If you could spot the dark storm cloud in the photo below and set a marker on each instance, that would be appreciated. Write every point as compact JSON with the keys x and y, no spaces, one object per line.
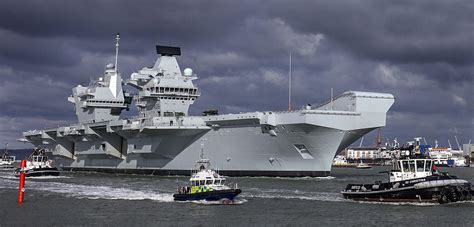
{"x":397,"y":31}
{"x":421,"y":52}
{"x":21,"y":51}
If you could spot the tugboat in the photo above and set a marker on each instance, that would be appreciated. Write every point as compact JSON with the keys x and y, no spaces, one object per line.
{"x":38,"y":165}
{"x":206,"y":184}
{"x":413,"y":179}
{"x":6,"y":161}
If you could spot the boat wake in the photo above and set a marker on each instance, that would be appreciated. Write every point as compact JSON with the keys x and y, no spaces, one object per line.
{"x":307,"y":178}
{"x":292,"y":194}
{"x":292,"y":178}
{"x":220,"y":202}
{"x":36,"y":178}
{"x":91,"y":192}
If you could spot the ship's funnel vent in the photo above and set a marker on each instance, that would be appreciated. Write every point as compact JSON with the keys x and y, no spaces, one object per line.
{"x":168,"y":50}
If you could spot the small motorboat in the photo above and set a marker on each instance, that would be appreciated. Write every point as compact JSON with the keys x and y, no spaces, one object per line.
{"x":38,"y":164}
{"x":413,"y":179}
{"x":362,"y":165}
{"x":206,"y":184}
{"x":6,"y":161}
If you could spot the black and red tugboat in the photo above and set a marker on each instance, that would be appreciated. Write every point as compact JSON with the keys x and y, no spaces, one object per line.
{"x":413,"y":179}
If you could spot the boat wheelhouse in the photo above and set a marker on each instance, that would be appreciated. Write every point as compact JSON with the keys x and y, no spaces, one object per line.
{"x":411,"y":169}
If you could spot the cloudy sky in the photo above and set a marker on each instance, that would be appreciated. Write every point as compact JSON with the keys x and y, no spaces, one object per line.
{"x":420,"y":51}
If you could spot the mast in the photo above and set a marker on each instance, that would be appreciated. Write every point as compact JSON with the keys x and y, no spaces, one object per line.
{"x":202,"y":151}
{"x":289,"y":83}
{"x":116,"y":51}
{"x":377,"y":139}
{"x":332,"y":95}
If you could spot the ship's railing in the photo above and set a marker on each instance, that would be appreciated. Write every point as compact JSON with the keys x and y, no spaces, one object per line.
{"x":345,"y":94}
{"x":137,"y":123}
{"x":33,"y":132}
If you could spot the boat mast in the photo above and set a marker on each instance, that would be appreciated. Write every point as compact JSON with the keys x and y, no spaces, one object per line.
{"x":289,"y":84}
{"x":202,"y":149}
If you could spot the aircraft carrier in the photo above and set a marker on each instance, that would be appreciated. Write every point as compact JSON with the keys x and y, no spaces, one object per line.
{"x":163,"y":139}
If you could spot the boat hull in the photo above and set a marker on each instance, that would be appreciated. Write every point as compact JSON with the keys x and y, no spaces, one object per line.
{"x":209,"y":196}
{"x":434,"y":189}
{"x":38,"y":172}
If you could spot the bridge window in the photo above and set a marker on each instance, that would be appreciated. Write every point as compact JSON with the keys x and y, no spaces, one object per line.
{"x":428,"y":166}
{"x":412,"y":165}
{"x":420,"y":165}
{"x":405,"y":166}
{"x":209,"y":182}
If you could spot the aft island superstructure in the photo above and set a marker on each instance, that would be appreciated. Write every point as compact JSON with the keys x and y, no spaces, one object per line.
{"x":164,"y":139}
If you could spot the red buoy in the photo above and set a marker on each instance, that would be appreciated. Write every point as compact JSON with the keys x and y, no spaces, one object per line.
{"x":21,"y":189}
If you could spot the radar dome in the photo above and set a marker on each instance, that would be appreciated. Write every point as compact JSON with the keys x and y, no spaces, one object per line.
{"x":188,"y":72}
{"x":109,"y":66}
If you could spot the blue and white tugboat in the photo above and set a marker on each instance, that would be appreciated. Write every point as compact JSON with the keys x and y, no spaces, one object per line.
{"x":413,"y":179}
{"x":38,"y":164}
{"x":206,"y":184}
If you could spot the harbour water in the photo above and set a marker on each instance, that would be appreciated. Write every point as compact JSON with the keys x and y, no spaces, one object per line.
{"x":143,"y":200}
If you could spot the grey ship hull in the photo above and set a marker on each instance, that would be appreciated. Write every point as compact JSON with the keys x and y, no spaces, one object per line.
{"x":298,"y":143}
{"x":237,"y":151}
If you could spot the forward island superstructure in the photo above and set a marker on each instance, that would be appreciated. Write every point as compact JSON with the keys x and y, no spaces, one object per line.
{"x":164,"y":139}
